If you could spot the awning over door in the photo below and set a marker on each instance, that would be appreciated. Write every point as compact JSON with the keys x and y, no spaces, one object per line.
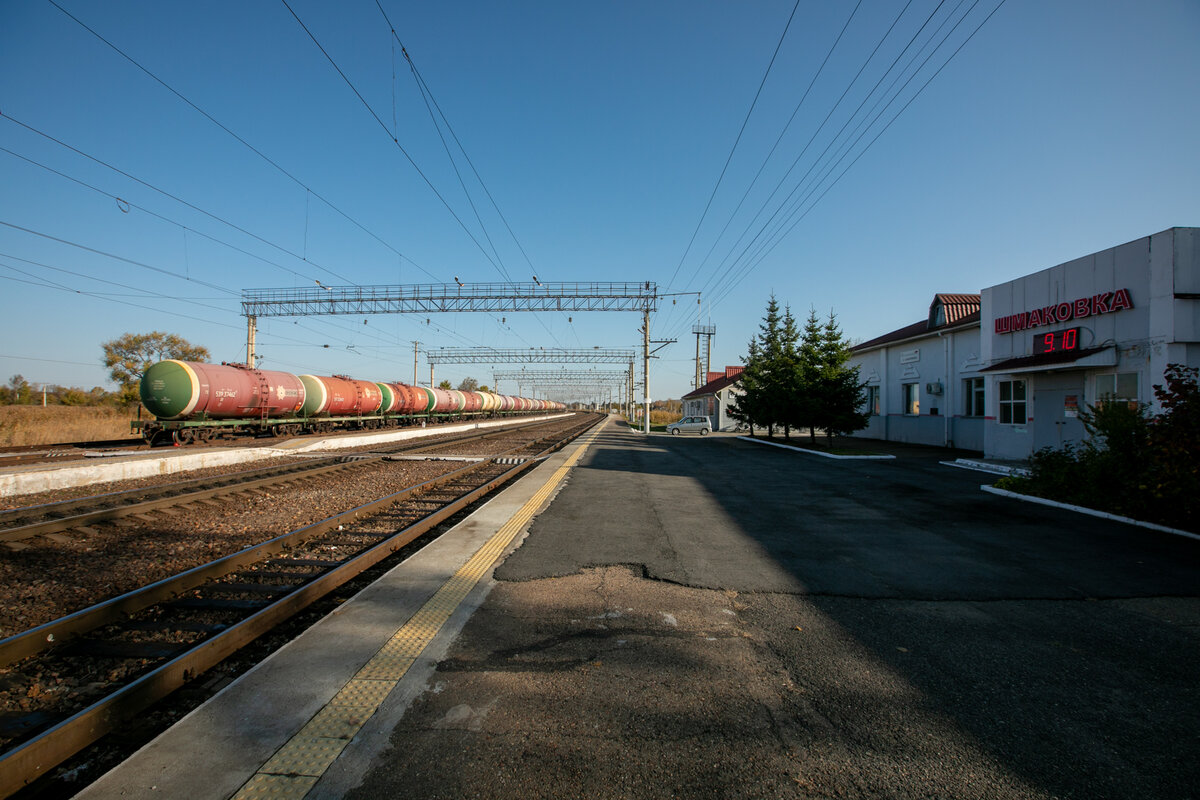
{"x":1088,"y":358}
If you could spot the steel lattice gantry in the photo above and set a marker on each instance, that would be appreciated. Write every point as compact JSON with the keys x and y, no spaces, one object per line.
{"x":456,"y":297}
{"x":594,"y":382}
{"x":450,"y":297}
{"x":532,"y":355}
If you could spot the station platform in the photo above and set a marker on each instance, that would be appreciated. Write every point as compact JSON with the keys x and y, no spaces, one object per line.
{"x":119,"y":466}
{"x":655,"y":616}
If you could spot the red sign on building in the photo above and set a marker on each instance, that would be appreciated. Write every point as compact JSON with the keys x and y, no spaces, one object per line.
{"x":1102,"y":303}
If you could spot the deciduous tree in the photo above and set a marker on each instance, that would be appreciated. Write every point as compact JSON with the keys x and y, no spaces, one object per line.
{"x":130,"y":355}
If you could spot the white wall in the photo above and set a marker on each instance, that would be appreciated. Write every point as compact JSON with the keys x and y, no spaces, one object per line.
{"x":1161,"y":328}
{"x":945,"y":359}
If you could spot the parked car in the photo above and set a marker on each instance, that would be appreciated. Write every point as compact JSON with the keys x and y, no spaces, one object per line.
{"x":700,"y":425}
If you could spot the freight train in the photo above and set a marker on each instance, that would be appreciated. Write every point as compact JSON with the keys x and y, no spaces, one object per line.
{"x":192,"y":401}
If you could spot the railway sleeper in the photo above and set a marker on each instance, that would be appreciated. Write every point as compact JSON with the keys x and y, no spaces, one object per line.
{"x":216,"y":604}
{"x":109,"y":648}
{"x":251,"y":588}
{"x":305,"y":562}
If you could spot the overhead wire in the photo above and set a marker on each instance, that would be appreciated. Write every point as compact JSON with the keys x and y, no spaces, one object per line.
{"x":731,"y":267}
{"x":833,"y":109}
{"x":735,"y":273}
{"x":796,"y":220}
{"x":395,"y":140}
{"x":432,"y":104}
{"x":673,"y":324}
{"x":733,"y":149}
{"x":130,"y":205}
{"x":235,"y":136}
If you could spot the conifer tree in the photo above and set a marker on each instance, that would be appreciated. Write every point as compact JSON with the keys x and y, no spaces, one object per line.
{"x":840,"y":393}
{"x":760,"y":402}
{"x":809,"y":374}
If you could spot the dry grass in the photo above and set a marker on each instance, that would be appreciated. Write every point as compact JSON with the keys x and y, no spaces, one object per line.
{"x":22,"y":425}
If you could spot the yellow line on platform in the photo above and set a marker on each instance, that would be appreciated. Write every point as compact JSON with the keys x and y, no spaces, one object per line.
{"x":297,"y":766}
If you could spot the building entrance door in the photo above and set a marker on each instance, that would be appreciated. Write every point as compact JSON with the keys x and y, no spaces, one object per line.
{"x":1056,"y":417}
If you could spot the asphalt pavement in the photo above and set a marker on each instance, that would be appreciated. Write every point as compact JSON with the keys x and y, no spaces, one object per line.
{"x":707,"y":617}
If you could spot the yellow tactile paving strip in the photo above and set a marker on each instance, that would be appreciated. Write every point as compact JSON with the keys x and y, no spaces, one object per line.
{"x":297,"y":766}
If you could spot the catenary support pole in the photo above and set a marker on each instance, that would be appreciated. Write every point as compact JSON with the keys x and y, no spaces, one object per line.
{"x":646,"y":369}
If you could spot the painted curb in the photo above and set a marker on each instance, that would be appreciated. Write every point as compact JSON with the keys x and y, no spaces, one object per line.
{"x":816,"y":452}
{"x":1091,"y":512}
{"x":983,"y":466}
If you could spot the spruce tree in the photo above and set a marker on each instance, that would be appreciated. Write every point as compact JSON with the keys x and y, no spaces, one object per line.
{"x":808,"y":380}
{"x":840,"y":393}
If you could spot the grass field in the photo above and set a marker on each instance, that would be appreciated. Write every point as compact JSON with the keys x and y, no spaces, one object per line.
{"x":21,"y":425}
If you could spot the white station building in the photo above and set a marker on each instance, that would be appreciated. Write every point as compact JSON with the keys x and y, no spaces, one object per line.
{"x":1007,"y":372}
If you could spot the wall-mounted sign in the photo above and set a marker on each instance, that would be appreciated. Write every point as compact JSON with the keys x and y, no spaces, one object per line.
{"x":910,"y":356}
{"x":1071,"y":406}
{"x":1102,"y":303}
{"x":1056,"y":341}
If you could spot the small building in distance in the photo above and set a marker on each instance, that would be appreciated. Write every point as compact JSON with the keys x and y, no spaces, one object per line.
{"x":713,"y":399}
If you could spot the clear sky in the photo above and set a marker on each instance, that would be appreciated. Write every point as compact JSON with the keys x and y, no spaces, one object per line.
{"x":1061,"y":127}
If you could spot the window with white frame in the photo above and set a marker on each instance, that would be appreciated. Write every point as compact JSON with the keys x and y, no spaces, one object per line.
{"x":1119,"y":387}
{"x":973,"y":394}
{"x":1012,"y":403}
{"x":873,"y":401}
{"x":912,"y":398}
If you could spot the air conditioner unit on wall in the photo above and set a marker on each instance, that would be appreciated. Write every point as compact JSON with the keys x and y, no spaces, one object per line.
{"x":933,"y":388}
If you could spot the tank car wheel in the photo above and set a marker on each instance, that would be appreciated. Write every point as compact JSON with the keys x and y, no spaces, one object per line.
{"x":183,"y":436}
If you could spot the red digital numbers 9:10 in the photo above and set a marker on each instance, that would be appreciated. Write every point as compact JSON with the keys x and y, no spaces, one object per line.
{"x":1056,"y":341}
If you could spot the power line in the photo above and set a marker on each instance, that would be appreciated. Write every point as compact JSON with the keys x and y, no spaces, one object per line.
{"x":674,"y":324}
{"x":861,"y":153}
{"x":733,"y":149}
{"x":393,"y":139}
{"x":239,"y":139}
{"x":732,"y":267}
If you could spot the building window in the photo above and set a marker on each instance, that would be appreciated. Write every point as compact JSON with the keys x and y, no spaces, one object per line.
{"x":912,"y":400}
{"x":873,"y":401}
{"x":1012,"y":403}
{"x":973,"y":392}
{"x":1122,"y":386}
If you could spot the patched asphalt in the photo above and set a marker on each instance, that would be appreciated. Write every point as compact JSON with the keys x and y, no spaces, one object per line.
{"x":705,"y":617}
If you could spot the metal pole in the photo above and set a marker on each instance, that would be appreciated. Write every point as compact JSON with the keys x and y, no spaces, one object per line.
{"x":251,"y":329}
{"x":415,"y":365}
{"x":698,"y":376}
{"x":646,"y":368}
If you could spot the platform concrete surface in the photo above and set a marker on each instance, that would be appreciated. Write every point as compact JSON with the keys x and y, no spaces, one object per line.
{"x":28,"y":478}
{"x":704,"y":617}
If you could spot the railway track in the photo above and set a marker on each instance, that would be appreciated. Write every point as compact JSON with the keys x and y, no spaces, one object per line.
{"x":79,"y":514}
{"x":144,"y":644}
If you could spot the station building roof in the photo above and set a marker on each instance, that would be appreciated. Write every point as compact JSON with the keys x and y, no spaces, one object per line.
{"x":947,"y":311}
{"x":717,"y":381}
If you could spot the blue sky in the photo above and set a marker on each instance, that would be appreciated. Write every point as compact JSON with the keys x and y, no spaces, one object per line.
{"x":1058,"y":129}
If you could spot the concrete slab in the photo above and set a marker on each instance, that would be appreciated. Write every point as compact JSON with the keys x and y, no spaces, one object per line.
{"x":169,"y":461}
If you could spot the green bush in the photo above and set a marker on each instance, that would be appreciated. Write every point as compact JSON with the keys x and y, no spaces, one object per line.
{"x":1132,"y":464}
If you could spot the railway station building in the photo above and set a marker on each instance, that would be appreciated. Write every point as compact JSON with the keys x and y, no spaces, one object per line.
{"x":713,"y":399}
{"x":1008,"y":371}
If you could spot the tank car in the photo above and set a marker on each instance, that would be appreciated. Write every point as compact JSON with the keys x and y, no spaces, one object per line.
{"x":191,"y":400}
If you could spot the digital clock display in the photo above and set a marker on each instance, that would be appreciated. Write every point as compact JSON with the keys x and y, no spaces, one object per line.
{"x":1056,"y":341}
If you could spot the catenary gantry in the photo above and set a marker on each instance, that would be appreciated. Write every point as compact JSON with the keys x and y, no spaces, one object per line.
{"x":456,"y":297}
{"x":532,"y":355}
{"x":450,"y":297}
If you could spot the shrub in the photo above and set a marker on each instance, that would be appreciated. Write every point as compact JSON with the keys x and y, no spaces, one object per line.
{"x":1133,"y":464}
